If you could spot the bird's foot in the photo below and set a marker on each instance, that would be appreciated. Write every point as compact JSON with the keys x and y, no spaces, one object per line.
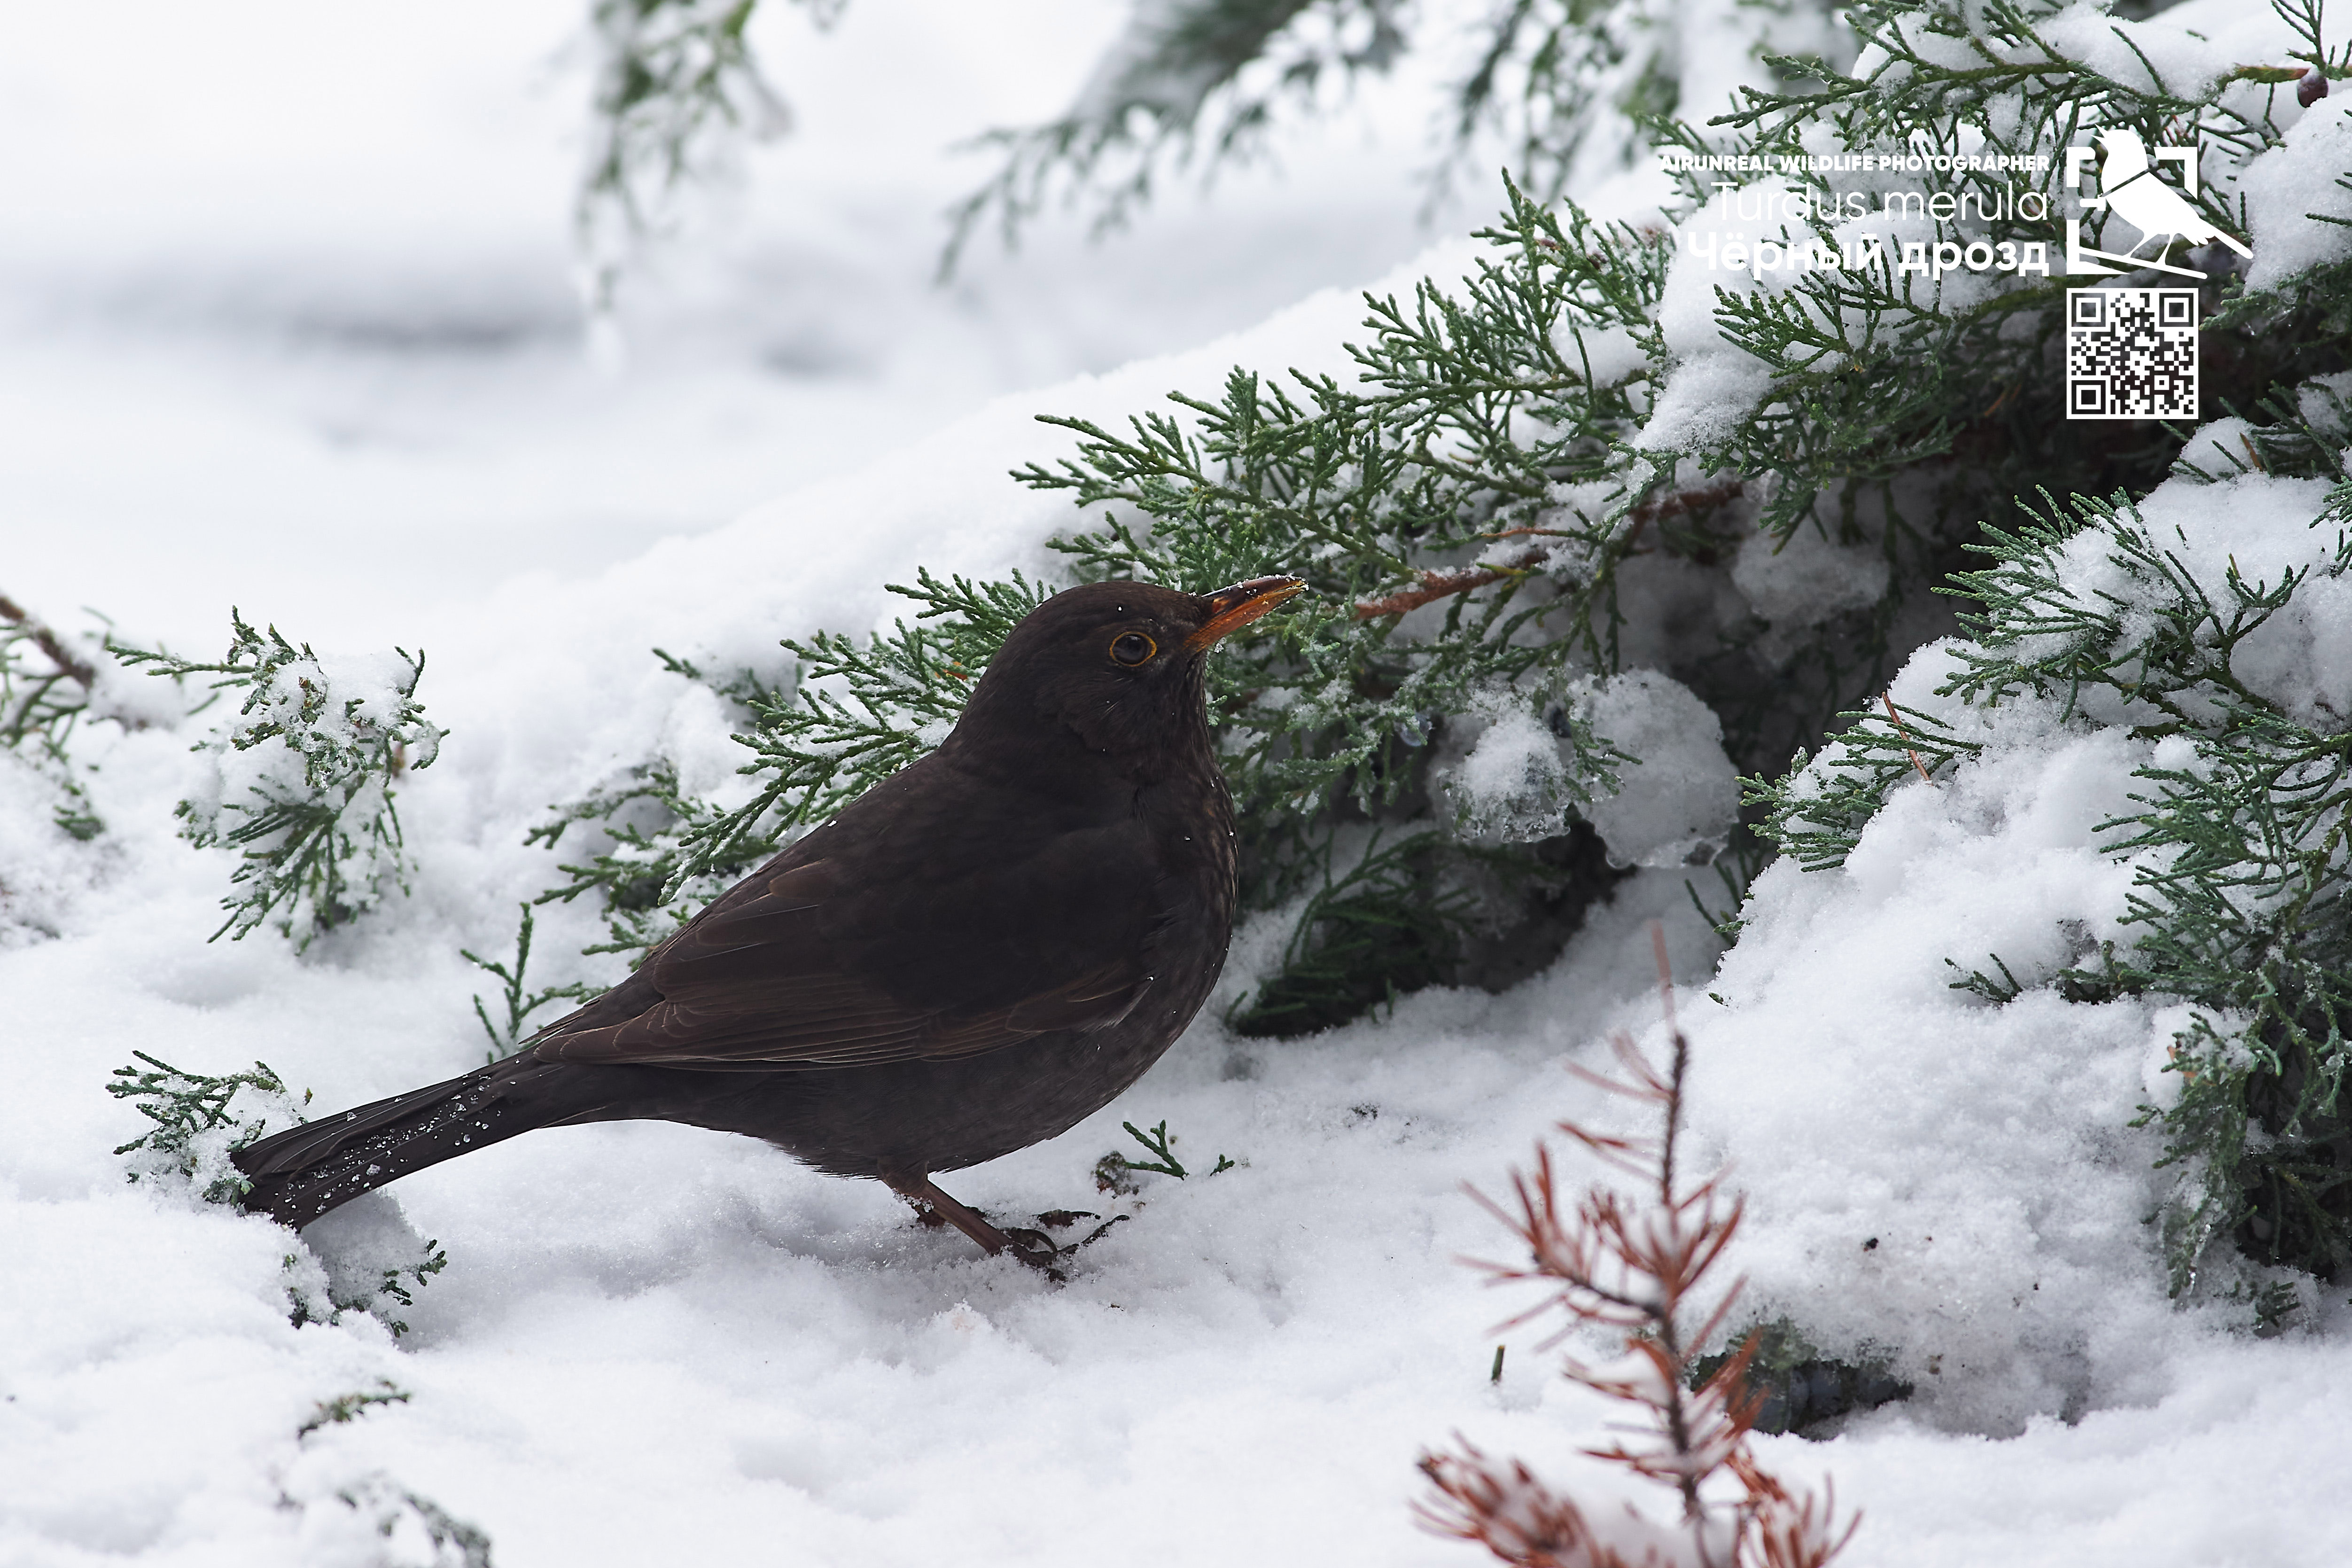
{"x":1063,"y":1219}
{"x":934,"y":1206}
{"x":1034,"y":1248}
{"x":1037,"y":1249}
{"x":1041,"y":1251}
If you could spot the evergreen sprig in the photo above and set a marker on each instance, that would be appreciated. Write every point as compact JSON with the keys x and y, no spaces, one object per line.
{"x":198,"y":1122}
{"x":1112,"y":1170}
{"x":519,"y":1001}
{"x":1816,"y":812}
{"x":2241,"y":900}
{"x":1185,"y":80}
{"x":2164,"y":650}
{"x":303,"y":781}
{"x":674,"y":78}
{"x":349,"y":1406}
{"x":635,"y":865}
{"x":45,"y":694}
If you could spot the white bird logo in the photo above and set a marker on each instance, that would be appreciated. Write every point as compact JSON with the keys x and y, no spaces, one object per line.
{"x":2129,"y":189}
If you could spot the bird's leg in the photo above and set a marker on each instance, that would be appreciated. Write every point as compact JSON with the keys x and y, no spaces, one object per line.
{"x":1027,"y":1245}
{"x":926,"y":1215}
{"x":935,"y":1207}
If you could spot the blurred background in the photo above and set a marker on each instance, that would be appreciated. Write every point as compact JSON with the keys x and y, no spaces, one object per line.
{"x":289,"y":302}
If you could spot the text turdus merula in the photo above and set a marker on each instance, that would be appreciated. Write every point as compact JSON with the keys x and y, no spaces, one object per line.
{"x":976,"y":953}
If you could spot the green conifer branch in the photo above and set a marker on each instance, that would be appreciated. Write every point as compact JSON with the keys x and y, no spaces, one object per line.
{"x":311,"y":814}
{"x":45,"y":694}
{"x":196,"y":1122}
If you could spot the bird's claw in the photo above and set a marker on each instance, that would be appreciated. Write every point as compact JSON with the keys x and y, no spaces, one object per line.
{"x":1063,"y":1219}
{"x":1034,"y":1248}
{"x":1042,"y":1252}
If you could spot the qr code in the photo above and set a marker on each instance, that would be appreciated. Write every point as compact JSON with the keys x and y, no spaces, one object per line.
{"x":2131,"y":354}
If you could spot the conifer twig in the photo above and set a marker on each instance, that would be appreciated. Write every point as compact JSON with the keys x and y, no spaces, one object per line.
{"x":83,"y":674}
{"x":1888,"y":697}
{"x":1673,"y":505}
{"x":1435,"y":585}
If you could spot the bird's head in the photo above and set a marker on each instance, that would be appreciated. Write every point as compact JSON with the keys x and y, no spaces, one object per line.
{"x":1119,"y":666}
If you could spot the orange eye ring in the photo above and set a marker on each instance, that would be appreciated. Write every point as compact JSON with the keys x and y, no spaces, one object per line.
{"x":1131,"y":649}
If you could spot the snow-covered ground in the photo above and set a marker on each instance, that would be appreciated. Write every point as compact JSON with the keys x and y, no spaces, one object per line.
{"x":287,"y":325}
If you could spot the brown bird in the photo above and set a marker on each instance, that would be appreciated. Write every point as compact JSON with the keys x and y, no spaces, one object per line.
{"x":978,"y":952}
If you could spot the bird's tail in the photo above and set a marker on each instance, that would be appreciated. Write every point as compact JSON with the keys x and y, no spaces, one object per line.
{"x":300,"y":1173}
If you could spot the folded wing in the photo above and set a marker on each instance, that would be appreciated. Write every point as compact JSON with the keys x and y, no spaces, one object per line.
{"x":814,"y":966}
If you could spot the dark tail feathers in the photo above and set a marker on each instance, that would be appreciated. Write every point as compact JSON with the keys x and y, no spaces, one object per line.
{"x":300,"y":1173}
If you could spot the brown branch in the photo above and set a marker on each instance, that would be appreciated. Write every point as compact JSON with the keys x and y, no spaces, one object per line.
{"x":1435,"y":585}
{"x":1888,"y":697}
{"x":49,"y":643}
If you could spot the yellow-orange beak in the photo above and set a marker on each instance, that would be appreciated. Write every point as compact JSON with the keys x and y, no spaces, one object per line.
{"x":1231,"y":609}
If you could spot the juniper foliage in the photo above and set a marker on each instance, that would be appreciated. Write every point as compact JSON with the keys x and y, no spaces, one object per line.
{"x":386,"y":1509}
{"x":2242,"y":872}
{"x":45,"y":694}
{"x":674,"y":81}
{"x":1185,"y":81}
{"x":199,"y":1119}
{"x":1159,"y":1157}
{"x":301,"y":787}
{"x":519,"y":1002}
{"x":2237,"y":847}
{"x":636,"y":823}
{"x":349,"y":1406}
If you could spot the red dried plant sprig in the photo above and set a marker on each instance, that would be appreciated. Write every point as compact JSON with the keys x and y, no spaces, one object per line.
{"x":1779,"y":1528}
{"x":1509,"y":1512}
{"x":1634,"y":1265}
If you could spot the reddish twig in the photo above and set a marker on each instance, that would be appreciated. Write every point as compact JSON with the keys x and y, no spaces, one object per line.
{"x":1888,"y":697}
{"x":1435,"y":585}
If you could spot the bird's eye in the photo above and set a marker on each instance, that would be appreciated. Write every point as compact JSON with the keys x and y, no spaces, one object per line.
{"x":1133,"y":647}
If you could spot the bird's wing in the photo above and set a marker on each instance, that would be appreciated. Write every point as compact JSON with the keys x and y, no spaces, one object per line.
{"x":812,"y":966}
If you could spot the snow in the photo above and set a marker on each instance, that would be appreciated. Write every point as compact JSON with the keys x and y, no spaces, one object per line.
{"x":1714,"y":385}
{"x":1510,"y":784}
{"x":2001,"y":1177}
{"x":2186,"y":47}
{"x":1803,"y":580}
{"x":2301,"y":657}
{"x":1680,"y":800}
{"x":330,"y":378}
{"x":2292,"y":190}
